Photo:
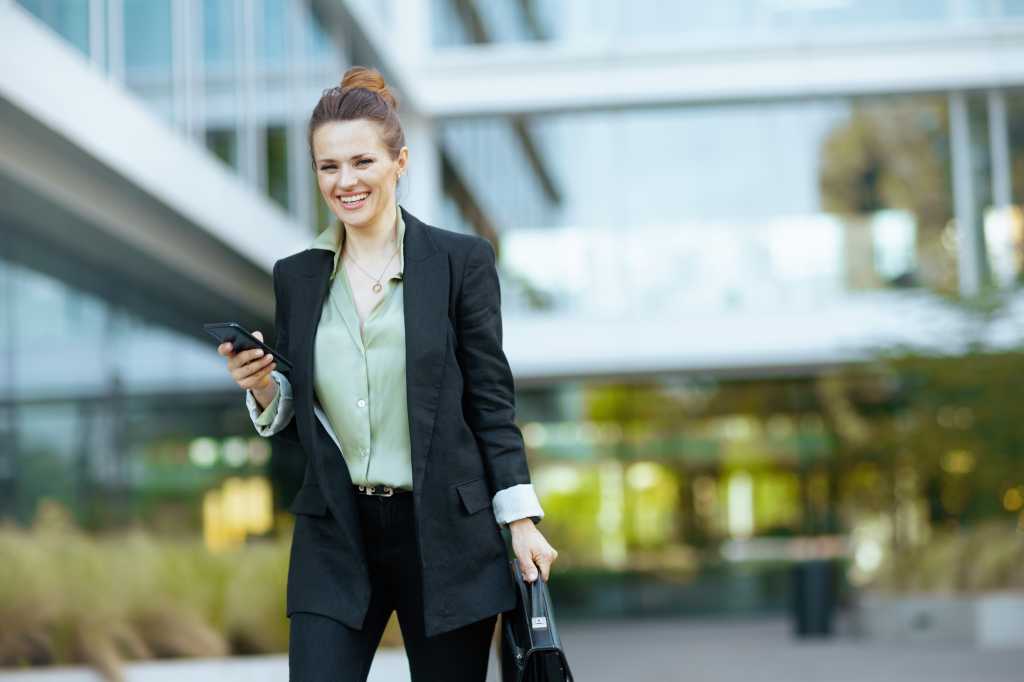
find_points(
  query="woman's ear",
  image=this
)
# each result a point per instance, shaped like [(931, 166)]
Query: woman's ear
[(403, 160)]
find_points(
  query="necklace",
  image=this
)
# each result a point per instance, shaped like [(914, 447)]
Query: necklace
[(376, 280)]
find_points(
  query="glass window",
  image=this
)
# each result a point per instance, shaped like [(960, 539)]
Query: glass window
[(321, 44), (224, 145), (719, 207), (634, 20), (1015, 123), (219, 32), (277, 164), (322, 212), (6, 319), (69, 18), (147, 36), (272, 42)]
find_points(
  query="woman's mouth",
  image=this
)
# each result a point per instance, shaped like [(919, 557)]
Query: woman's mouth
[(355, 201)]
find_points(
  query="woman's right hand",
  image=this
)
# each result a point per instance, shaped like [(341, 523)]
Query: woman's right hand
[(251, 370)]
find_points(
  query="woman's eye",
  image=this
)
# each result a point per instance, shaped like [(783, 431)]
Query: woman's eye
[(362, 161), (328, 167)]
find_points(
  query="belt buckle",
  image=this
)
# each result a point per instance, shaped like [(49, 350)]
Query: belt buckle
[(372, 490)]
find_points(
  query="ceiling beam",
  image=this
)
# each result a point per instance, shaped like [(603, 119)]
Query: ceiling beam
[(553, 77)]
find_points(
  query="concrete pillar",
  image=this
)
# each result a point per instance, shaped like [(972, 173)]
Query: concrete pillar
[(999, 143), (420, 188), (970, 241)]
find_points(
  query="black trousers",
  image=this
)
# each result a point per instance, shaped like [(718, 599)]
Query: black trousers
[(322, 649)]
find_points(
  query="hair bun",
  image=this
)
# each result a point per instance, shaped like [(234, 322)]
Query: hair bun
[(368, 79)]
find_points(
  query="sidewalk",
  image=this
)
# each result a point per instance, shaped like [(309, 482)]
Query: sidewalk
[(651, 651), (731, 651)]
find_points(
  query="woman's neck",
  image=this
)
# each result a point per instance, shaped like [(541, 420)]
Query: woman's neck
[(375, 240)]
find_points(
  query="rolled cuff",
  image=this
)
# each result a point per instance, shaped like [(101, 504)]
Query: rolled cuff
[(278, 413), (516, 502)]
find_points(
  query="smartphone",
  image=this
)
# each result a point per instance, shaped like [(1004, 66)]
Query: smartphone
[(242, 339)]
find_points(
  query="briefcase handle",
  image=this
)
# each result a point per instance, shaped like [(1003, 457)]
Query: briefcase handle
[(539, 656), (542, 631)]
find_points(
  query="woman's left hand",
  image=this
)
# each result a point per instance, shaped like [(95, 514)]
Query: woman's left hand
[(532, 550)]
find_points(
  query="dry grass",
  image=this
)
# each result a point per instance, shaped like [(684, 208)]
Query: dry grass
[(67, 598), (989, 556)]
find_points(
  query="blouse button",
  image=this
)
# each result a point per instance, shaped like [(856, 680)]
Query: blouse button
[(361, 403)]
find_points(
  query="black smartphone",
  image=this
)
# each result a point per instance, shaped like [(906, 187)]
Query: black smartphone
[(242, 339)]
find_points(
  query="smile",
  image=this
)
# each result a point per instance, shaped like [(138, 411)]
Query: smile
[(354, 202)]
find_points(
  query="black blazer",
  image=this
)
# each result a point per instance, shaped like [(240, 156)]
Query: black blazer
[(465, 444)]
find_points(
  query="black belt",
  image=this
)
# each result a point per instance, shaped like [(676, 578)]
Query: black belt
[(380, 490)]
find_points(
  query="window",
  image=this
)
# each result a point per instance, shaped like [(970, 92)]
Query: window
[(224, 145), (277, 164), (147, 37)]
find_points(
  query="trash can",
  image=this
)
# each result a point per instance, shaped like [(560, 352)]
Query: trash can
[(814, 597)]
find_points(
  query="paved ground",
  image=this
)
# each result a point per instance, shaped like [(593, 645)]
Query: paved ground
[(765, 651), (654, 651)]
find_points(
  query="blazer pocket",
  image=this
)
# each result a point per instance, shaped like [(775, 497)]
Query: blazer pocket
[(474, 495), (309, 500)]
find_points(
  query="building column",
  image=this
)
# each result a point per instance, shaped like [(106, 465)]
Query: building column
[(411, 28), (970, 241), (300, 173), (420, 188), (97, 36), (999, 144)]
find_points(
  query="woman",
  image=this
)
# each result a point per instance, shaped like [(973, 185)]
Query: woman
[(402, 399)]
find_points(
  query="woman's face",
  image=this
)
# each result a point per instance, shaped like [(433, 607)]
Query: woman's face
[(355, 172)]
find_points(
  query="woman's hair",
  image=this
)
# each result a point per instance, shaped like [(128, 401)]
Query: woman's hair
[(363, 94)]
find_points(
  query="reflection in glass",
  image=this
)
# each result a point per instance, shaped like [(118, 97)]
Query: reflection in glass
[(224, 144), (1015, 123), (738, 206), (272, 41), (219, 32), (321, 211), (90, 403), (147, 36), (277, 164), (459, 23)]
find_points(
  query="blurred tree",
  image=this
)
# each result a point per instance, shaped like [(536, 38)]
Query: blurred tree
[(894, 154)]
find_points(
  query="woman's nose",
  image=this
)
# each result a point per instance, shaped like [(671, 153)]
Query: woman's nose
[(347, 176)]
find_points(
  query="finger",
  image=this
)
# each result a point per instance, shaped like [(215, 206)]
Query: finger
[(528, 569), (258, 334), (544, 562), (544, 559), (254, 368), (224, 349), (245, 357), (258, 380)]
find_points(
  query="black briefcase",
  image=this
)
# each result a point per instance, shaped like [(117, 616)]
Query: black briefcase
[(531, 650)]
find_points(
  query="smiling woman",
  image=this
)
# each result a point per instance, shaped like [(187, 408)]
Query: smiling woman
[(402, 398), (359, 153)]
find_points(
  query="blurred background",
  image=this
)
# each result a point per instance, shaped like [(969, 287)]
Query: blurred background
[(761, 268)]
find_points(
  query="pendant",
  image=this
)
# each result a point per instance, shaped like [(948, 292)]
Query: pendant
[(376, 288)]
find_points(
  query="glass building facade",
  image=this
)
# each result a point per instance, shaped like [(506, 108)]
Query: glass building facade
[(672, 212)]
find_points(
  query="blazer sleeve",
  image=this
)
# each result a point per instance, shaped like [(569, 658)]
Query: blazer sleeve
[(489, 391), (276, 420)]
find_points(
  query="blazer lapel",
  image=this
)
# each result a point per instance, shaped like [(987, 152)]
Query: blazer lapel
[(312, 286), (425, 298)]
